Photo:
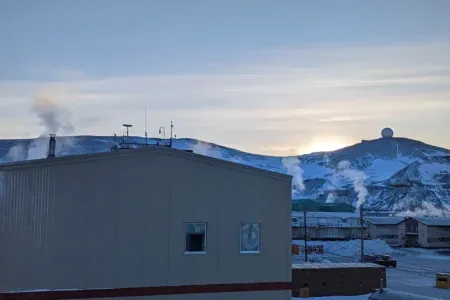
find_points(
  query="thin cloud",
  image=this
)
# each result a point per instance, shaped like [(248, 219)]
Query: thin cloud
[(339, 86)]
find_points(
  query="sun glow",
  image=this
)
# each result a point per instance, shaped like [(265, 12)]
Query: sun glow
[(326, 144)]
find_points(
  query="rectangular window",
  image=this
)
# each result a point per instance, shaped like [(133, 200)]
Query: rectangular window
[(195, 238), (250, 237)]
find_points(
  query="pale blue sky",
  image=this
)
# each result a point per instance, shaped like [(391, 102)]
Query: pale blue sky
[(276, 77)]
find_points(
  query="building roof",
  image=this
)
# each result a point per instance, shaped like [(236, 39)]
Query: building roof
[(334, 265), (385, 220), (434, 221), (311, 205), (326, 214), (82, 158), (327, 219)]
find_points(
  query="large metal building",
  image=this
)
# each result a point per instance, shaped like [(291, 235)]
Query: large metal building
[(154, 223)]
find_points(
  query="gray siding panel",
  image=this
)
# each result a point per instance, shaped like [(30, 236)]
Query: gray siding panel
[(120, 222), (25, 217)]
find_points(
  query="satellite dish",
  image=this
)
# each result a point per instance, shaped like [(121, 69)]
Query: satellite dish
[(387, 133), (250, 237)]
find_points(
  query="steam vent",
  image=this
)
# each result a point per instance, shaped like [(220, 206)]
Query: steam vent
[(387, 133)]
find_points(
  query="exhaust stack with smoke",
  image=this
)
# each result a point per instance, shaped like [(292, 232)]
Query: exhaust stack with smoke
[(51, 146)]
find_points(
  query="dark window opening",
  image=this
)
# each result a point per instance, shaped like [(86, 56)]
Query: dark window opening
[(196, 237), (195, 242)]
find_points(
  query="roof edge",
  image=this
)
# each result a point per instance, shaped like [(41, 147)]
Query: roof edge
[(134, 152)]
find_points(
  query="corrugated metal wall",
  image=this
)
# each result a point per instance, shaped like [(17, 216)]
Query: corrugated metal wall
[(120, 222), (28, 196)]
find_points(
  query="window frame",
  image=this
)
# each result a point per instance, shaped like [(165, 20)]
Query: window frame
[(204, 242), (259, 238)]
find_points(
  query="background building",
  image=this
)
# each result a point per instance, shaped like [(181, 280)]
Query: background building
[(327, 226), (156, 221), (434, 232), (390, 229)]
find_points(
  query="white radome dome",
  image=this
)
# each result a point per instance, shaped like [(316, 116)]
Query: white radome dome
[(387, 133)]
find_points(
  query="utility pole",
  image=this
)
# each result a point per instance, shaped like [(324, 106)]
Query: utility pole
[(304, 235), (361, 220)]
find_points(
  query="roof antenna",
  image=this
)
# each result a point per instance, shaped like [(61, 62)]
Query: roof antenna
[(145, 128), (127, 126), (171, 129)]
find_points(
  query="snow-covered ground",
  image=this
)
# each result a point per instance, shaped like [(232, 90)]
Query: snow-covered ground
[(415, 272)]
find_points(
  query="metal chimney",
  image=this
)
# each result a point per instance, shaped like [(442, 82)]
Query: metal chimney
[(51, 146)]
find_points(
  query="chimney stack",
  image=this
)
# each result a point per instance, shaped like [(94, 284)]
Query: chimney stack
[(51, 146)]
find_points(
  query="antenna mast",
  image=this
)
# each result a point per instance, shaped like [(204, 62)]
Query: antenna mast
[(171, 129), (127, 126), (145, 128)]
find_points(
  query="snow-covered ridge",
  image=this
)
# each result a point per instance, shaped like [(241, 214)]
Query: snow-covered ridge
[(397, 173)]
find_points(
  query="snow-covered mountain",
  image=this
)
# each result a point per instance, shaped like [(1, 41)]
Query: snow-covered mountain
[(387, 173)]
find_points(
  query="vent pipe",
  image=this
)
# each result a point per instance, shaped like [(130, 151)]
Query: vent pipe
[(51, 146)]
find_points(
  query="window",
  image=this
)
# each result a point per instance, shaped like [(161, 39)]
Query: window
[(195, 238), (250, 237)]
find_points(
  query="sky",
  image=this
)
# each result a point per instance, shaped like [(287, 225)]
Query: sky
[(273, 77)]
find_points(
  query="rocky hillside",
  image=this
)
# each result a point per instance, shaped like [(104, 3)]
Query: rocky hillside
[(386, 174)]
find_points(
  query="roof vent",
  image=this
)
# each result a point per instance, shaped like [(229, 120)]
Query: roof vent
[(51, 146)]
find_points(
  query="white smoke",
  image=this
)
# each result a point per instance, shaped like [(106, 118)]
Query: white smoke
[(54, 119), (425, 209), (38, 148), (331, 198), (52, 116), (206, 149), (357, 178), (292, 166), (16, 153)]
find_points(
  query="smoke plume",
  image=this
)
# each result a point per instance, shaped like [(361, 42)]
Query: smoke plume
[(326, 158), (425, 209), (55, 120), (331, 198), (206, 149), (52, 117), (292, 166), (16, 153), (357, 178)]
